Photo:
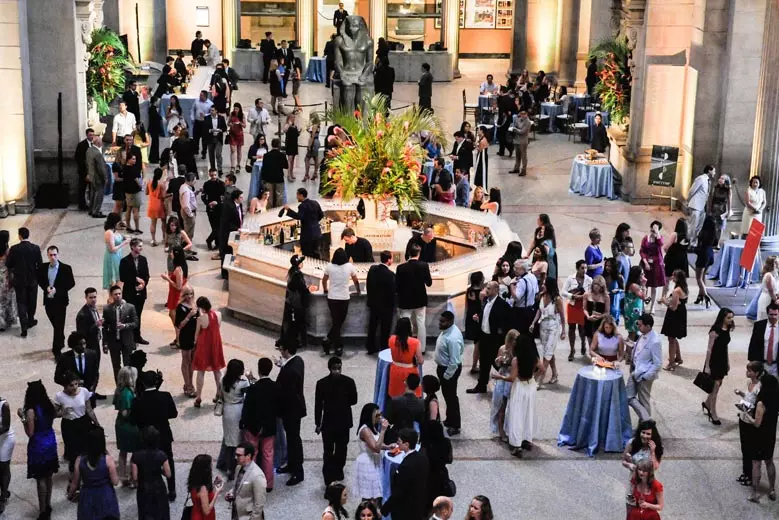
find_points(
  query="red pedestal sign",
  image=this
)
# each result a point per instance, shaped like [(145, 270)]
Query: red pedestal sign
[(752, 244)]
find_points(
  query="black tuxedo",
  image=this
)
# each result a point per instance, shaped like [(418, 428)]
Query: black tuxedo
[(56, 307), (156, 408), (500, 324), (260, 407), (86, 323), (333, 403), (81, 165), (268, 50), (292, 408), (127, 275), (464, 154), (196, 48), (402, 412), (338, 18), (380, 286), (23, 261), (410, 283), (89, 373), (230, 220), (408, 499), (757, 342)]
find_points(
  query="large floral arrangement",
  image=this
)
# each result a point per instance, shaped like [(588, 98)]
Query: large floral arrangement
[(105, 69), (378, 157), (615, 79)]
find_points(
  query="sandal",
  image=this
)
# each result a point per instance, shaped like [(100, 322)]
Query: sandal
[(772, 495), (754, 497), (197, 403), (553, 381)]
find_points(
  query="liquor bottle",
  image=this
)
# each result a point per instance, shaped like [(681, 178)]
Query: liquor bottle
[(281, 236)]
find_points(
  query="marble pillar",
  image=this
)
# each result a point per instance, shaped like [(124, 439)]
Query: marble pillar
[(377, 19), (568, 42), (542, 36), (594, 25), (305, 25), (765, 153), (519, 37), (231, 28), (450, 29)]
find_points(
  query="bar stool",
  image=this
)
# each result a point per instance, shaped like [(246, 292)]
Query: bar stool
[(470, 108)]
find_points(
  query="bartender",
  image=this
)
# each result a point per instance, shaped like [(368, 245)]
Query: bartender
[(358, 249), (309, 214), (427, 241)]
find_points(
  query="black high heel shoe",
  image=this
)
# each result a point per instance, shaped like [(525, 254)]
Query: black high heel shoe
[(699, 299), (705, 408), (708, 301)]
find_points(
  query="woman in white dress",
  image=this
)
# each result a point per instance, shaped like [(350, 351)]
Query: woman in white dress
[(367, 465), (520, 421), (173, 116), (753, 205), (769, 288), (551, 319), (7, 443), (234, 386)]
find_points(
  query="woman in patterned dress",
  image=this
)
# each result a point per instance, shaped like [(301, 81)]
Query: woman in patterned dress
[(652, 261), (8, 312), (368, 472)]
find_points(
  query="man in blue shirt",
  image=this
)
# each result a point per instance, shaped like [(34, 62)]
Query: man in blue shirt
[(647, 360), (56, 279), (462, 194), (449, 349), (623, 258)]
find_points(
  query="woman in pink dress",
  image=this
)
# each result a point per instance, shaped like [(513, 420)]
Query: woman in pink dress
[(236, 124), (652, 261), (208, 350)]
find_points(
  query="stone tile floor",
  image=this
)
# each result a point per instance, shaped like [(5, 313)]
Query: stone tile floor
[(701, 461)]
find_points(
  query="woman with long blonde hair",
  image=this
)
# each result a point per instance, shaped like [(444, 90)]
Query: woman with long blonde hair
[(502, 390), (127, 435), (597, 305), (769, 289)]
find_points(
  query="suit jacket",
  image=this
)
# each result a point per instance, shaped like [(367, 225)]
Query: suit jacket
[(329, 52), (410, 282), (333, 403), (268, 49), (380, 285), (184, 148), (229, 220), (23, 261), (96, 167), (221, 124), (260, 408), (86, 324), (197, 47), (408, 499), (131, 99), (128, 316), (67, 363), (757, 342), (384, 80), (309, 214), (500, 317), (288, 61), (292, 402), (232, 78), (406, 401), (155, 408), (464, 155), (426, 85), (339, 17), (63, 282), (81, 157), (250, 493), (128, 274), (273, 165)]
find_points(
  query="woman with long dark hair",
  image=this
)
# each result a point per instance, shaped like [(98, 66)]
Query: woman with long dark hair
[(675, 321), (155, 192), (438, 449), (482, 146), (635, 294), (336, 497), (550, 318), (615, 285), (176, 278), (480, 508), (296, 77), (431, 385), (296, 298), (203, 488), (142, 140), (764, 435), (366, 511), (95, 473), (720, 204), (177, 237), (78, 418), (37, 416), (676, 253), (149, 465), (174, 116), (646, 444), (8, 312), (338, 273), (746, 431), (652, 261), (473, 300), (209, 356), (114, 242), (406, 358), (186, 323), (717, 363), (622, 232), (235, 124), (704, 253), (521, 407), (575, 288), (234, 386), (367, 465)]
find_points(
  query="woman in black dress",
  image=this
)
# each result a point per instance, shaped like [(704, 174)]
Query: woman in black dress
[(717, 363), (675, 322), (721, 204), (676, 253), (149, 465), (473, 307), (745, 429), (597, 304), (482, 159), (704, 252), (293, 323), (764, 421), (186, 320), (439, 453), (291, 136)]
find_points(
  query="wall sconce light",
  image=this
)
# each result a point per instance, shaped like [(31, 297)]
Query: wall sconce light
[(201, 17)]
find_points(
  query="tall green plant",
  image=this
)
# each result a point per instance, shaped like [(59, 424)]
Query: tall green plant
[(614, 87), (105, 69), (379, 156)]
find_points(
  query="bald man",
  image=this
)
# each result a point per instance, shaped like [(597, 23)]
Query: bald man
[(442, 508)]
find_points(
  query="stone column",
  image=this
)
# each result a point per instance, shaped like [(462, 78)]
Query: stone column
[(765, 152), (231, 23), (450, 28), (378, 19), (519, 37), (569, 29), (85, 23), (594, 26), (111, 15), (542, 36), (305, 13)]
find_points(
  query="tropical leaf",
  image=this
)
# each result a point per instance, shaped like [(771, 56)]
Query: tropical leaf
[(105, 70), (614, 87)]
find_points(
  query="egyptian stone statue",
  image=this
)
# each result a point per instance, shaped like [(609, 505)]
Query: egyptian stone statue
[(354, 62)]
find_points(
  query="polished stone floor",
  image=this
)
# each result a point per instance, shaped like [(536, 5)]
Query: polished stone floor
[(701, 461)]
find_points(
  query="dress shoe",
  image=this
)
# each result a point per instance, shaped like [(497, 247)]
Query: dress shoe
[(476, 390), (527, 446), (100, 397), (24, 334), (268, 490), (282, 470), (453, 431), (142, 341), (98, 215), (32, 324), (294, 481)]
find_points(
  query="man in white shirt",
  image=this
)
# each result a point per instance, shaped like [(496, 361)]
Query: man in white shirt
[(124, 124), (188, 200), (200, 109), (764, 343), (488, 88), (257, 118), (697, 199), (524, 289)]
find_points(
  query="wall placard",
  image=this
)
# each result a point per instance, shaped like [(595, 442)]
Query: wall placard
[(480, 14), (439, 10), (505, 18)]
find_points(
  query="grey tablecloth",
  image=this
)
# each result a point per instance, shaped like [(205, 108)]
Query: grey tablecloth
[(317, 70), (592, 180), (726, 269), (552, 110)]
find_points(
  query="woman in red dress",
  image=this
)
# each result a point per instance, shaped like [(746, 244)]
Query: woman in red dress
[(405, 350), (176, 278), (208, 349), (203, 491), (647, 493)]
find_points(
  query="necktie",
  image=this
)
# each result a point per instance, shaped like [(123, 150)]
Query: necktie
[(80, 364), (118, 321), (769, 357)]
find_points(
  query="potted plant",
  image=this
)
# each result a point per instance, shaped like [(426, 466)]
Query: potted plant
[(615, 83)]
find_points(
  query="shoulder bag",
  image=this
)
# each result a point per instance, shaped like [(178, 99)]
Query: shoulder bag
[(704, 381), (186, 514)]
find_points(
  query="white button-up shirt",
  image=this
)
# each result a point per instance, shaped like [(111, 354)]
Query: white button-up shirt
[(200, 109), (699, 193), (257, 120), (187, 199), (525, 291), (485, 319), (123, 124), (772, 368)]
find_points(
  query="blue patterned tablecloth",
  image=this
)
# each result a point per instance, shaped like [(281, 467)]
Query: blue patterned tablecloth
[(552, 110), (317, 70), (381, 383), (597, 416), (726, 269), (590, 119), (591, 180)]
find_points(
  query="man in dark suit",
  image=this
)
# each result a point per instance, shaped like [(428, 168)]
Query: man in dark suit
[(134, 275), (153, 407), (411, 282), (81, 362), (384, 80), (96, 172), (231, 220), (89, 323), (215, 127), (380, 285), (119, 323), (427, 244), (494, 321), (339, 16), (462, 152), (333, 400), (258, 417), (232, 76), (286, 54), (309, 214), (268, 50), (426, 88), (56, 279), (764, 343), (213, 191), (408, 499), (131, 99), (23, 262), (407, 406), (197, 45), (81, 165), (292, 408), (330, 59)]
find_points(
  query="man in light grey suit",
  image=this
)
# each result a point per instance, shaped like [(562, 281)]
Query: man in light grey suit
[(96, 174), (647, 360), (249, 490), (521, 129), (119, 323)]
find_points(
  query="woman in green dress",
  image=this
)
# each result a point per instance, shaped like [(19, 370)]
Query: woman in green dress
[(128, 438), (635, 293), (114, 242)]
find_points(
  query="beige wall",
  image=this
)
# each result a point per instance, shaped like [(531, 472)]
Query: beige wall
[(484, 41), (181, 22)]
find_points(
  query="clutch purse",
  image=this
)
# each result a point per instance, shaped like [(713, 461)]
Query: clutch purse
[(704, 381), (219, 408)]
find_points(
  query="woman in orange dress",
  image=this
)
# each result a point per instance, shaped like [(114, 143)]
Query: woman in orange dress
[(405, 350), (209, 356), (176, 278), (155, 191)]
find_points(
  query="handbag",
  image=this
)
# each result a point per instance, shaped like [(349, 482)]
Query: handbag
[(186, 514), (704, 381), (249, 165), (449, 488), (219, 408)]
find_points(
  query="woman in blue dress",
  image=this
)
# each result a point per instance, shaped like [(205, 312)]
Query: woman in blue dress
[(616, 287), (96, 475), (37, 416), (114, 242), (502, 390)]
